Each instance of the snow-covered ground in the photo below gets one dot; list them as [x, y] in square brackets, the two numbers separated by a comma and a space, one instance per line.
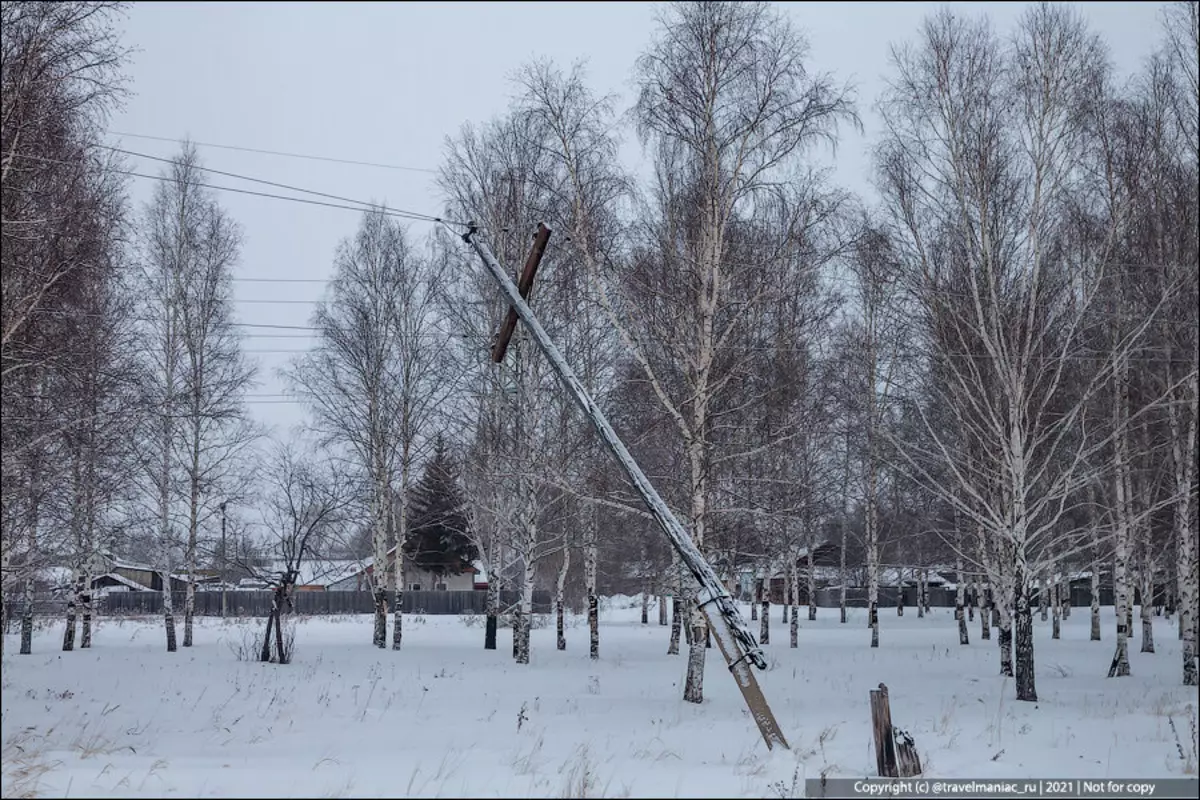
[444, 717]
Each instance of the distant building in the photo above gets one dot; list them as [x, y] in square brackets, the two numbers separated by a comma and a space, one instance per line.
[416, 579]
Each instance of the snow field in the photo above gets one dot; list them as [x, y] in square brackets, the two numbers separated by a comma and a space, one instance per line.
[443, 717]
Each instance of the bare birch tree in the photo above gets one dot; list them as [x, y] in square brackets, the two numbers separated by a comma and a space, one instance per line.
[984, 151]
[354, 379]
[726, 103]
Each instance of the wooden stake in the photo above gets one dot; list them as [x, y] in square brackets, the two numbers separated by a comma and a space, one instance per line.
[895, 751]
[881, 724]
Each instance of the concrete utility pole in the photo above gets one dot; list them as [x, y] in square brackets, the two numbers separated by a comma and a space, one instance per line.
[733, 636]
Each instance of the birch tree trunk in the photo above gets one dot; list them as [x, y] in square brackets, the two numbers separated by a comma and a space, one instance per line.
[1183, 456]
[27, 617]
[842, 577]
[872, 563]
[401, 538]
[812, 589]
[189, 599]
[920, 576]
[693, 690]
[523, 621]
[1120, 662]
[899, 591]
[985, 613]
[1026, 687]
[755, 601]
[85, 600]
[788, 583]
[492, 609]
[677, 612]
[559, 593]
[1043, 593]
[795, 627]
[164, 501]
[646, 600]
[1146, 573]
[1003, 609]
[1056, 601]
[72, 604]
[960, 598]
[589, 579]
[379, 513]
[662, 610]
[764, 620]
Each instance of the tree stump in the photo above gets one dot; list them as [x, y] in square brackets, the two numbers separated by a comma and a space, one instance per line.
[895, 751]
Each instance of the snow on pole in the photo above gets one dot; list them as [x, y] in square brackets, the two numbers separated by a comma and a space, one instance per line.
[733, 636]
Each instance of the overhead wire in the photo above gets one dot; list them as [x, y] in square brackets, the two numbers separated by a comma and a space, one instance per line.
[277, 153]
[416, 215]
[364, 206]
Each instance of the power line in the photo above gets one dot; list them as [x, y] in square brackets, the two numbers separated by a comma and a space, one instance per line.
[279, 153]
[276, 302]
[281, 280]
[164, 179]
[279, 327]
[277, 185]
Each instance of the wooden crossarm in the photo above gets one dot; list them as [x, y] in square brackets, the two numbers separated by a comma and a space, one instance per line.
[524, 285]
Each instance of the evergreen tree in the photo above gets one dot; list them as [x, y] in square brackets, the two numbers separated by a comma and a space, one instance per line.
[438, 540]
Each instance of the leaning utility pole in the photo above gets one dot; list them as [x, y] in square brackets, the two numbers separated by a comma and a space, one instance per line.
[733, 637]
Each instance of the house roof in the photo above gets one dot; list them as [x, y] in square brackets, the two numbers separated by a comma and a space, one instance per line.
[319, 572]
[121, 579]
[369, 563]
[57, 576]
[121, 563]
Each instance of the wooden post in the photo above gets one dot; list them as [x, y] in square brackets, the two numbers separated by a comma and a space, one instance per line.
[881, 724]
[523, 286]
[895, 751]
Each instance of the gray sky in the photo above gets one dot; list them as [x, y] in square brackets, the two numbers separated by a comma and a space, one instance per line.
[388, 82]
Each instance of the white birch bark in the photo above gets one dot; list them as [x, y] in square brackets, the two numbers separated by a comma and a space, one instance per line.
[1120, 662]
[919, 574]
[677, 612]
[1183, 423]
[794, 631]
[960, 597]
[559, 598]
[402, 503]
[1146, 573]
[528, 544]
[381, 568]
[590, 558]
[1056, 603]
[812, 588]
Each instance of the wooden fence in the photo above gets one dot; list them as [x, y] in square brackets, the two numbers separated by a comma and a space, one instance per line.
[258, 603]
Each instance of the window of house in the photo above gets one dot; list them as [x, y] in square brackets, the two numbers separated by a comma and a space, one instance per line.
[441, 587]
[416, 587]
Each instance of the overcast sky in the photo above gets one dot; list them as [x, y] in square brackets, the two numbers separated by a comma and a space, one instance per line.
[388, 82]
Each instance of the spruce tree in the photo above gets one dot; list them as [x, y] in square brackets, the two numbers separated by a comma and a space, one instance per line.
[438, 539]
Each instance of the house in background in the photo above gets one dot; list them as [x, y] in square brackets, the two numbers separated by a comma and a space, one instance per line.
[826, 563]
[111, 573]
[316, 574]
[416, 579]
